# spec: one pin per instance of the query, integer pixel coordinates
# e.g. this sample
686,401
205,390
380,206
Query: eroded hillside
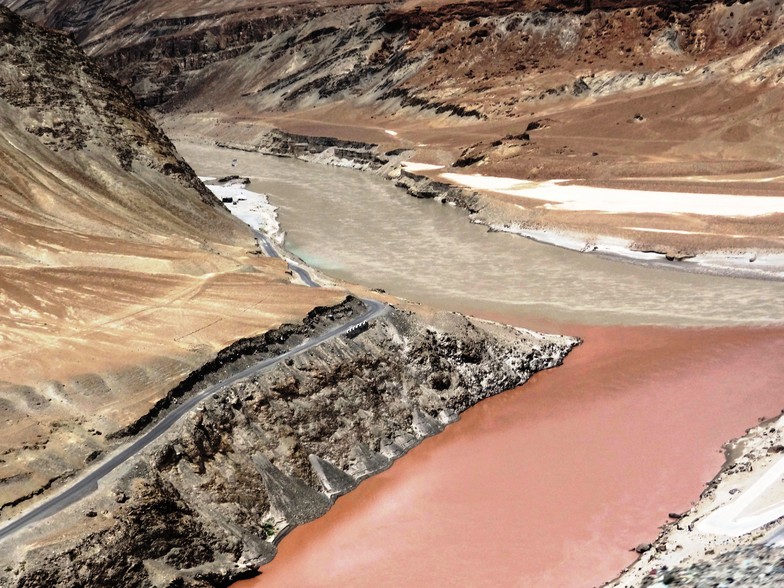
119,271
672,96
475,60
136,314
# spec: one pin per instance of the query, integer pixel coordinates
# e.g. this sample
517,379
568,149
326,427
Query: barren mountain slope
681,96
119,271
128,296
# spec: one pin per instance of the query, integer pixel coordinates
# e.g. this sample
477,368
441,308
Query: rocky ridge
636,94
204,505
473,60
325,150
71,104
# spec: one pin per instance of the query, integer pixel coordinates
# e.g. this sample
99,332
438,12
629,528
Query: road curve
265,243
88,482
270,250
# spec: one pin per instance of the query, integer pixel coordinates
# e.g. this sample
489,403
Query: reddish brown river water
554,483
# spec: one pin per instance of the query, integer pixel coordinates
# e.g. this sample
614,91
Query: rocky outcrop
751,566
420,186
204,505
455,59
325,150
71,104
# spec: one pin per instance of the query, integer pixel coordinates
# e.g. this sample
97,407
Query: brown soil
119,272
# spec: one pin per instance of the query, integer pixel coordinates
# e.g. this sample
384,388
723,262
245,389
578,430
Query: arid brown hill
428,52
490,67
680,96
120,273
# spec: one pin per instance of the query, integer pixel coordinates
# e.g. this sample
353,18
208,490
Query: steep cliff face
89,125
205,504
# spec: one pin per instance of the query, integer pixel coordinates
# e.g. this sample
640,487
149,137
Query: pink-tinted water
553,483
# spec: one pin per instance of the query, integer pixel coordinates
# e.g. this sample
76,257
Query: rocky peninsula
205,504
127,290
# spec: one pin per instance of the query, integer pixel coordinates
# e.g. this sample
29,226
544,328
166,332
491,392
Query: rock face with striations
440,57
203,505
64,98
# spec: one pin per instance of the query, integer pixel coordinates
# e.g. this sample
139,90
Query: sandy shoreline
640,244
567,195
768,265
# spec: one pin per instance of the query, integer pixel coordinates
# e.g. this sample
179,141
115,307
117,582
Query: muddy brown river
553,483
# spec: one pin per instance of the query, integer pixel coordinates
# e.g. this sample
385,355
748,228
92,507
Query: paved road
303,274
266,244
88,482
270,251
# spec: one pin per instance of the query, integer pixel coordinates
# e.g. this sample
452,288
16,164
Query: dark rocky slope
90,131
204,504
72,103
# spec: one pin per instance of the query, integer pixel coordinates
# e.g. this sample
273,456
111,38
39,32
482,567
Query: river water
360,228
553,483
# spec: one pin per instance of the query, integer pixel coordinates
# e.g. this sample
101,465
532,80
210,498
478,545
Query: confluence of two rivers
553,483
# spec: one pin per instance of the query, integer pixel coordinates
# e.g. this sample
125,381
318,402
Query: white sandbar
558,196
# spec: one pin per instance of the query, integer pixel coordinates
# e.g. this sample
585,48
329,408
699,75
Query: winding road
265,244
88,481
269,249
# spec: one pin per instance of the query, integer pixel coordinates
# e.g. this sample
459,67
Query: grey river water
360,228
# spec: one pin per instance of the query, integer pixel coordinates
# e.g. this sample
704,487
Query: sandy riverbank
250,207
681,230
697,224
